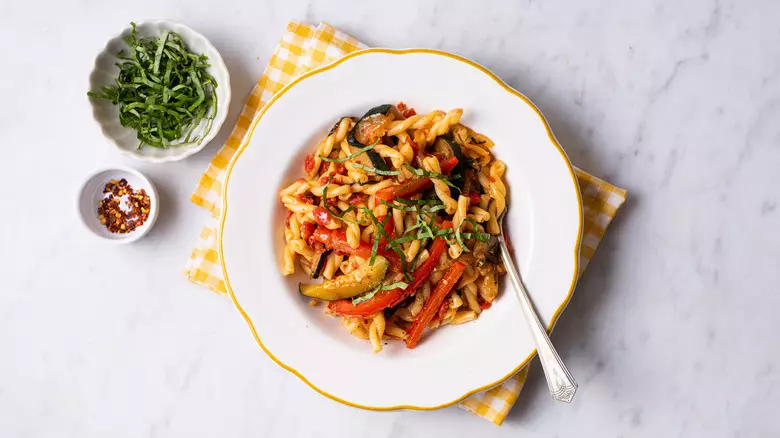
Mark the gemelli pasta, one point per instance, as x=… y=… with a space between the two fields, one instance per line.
x=397 y=213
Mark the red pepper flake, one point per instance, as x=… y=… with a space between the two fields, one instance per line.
x=401 y=107
x=485 y=305
x=123 y=209
x=409 y=113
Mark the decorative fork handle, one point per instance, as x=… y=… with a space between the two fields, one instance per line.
x=562 y=385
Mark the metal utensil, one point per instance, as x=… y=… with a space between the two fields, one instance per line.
x=562 y=386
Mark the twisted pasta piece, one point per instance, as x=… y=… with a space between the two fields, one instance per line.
x=498 y=189
x=398 y=221
x=355 y=327
x=326 y=147
x=479 y=214
x=300 y=246
x=442 y=126
x=463 y=316
x=395 y=331
x=414 y=122
x=353 y=230
x=470 y=293
x=387 y=152
x=376 y=329
x=431 y=164
x=492 y=223
x=288 y=260
x=461 y=212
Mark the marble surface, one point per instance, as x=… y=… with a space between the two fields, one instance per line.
x=672 y=330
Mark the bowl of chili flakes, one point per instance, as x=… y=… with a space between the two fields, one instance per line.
x=118 y=204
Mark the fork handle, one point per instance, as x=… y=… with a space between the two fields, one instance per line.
x=562 y=386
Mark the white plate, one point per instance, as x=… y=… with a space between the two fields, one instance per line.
x=545 y=222
x=107 y=115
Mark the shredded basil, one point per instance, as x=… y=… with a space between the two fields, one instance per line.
x=377 y=171
x=367 y=296
x=351 y=156
x=394 y=247
x=418 y=201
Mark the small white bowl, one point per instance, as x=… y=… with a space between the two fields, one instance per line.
x=92 y=192
x=107 y=115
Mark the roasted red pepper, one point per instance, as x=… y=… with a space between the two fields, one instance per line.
x=439 y=293
x=322 y=216
x=474 y=198
x=308 y=163
x=394 y=297
x=448 y=164
x=356 y=198
x=405 y=191
x=307 y=228
x=337 y=241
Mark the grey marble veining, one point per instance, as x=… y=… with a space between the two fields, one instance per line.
x=672 y=330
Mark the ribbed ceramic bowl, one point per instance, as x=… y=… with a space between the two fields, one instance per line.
x=107 y=115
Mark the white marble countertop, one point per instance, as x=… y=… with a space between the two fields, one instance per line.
x=672 y=330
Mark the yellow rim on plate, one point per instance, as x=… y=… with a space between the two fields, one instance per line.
x=243 y=145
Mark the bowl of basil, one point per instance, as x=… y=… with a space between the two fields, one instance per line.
x=159 y=91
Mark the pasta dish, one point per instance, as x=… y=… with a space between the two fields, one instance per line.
x=398 y=214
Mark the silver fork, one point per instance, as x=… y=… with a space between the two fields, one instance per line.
x=562 y=386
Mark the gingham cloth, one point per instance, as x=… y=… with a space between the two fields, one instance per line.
x=301 y=49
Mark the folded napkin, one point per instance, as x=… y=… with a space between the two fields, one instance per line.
x=301 y=49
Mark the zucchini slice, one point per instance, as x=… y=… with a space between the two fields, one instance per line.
x=363 y=279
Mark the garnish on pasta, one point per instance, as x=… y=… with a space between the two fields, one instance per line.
x=398 y=214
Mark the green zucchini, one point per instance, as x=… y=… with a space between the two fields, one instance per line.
x=371 y=127
x=365 y=278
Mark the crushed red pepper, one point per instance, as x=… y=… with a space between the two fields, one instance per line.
x=123 y=209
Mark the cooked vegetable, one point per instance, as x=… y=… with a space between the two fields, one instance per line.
x=369 y=130
x=391 y=298
x=376 y=169
x=487 y=251
x=163 y=91
x=319 y=263
x=378 y=161
x=365 y=297
x=371 y=127
x=439 y=293
x=363 y=279
x=349 y=157
x=337 y=240
x=404 y=191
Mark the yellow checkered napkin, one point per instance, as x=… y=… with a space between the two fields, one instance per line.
x=301 y=49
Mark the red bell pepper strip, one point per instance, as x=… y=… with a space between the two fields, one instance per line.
x=337 y=241
x=405 y=191
x=448 y=164
x=439 y=293
x=390 y=298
